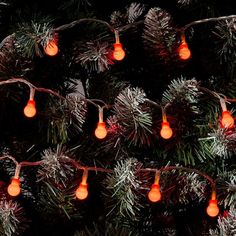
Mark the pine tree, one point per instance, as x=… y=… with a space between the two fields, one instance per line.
x=117 y=118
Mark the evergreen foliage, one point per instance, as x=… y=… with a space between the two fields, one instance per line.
x=136 y=94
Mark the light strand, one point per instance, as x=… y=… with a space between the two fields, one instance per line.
x=82 y=193
x=107 y=170
x=227 y=120
x=206 y=20
x=122 y=28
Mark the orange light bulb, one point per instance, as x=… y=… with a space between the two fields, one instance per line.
x=184 y=52
x=82 y=191
x=14 y=188
x=154 y=194
x=101 y=131
x=166 y=131
x=227 y=120
x=118 y=53
x=30 y=110
x=51 y=49
x=213 y=209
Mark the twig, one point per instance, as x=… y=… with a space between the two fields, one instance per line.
x=99 y=169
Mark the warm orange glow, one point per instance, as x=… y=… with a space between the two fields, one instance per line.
x=30 y=110
x=166 y=131
x=101 y=131
x=227 y=120
x=212 y=209
x=118 y=53
x=51 y=49
x=184 y=52
x=82 y=191
x=154 y=194
x=14 y=188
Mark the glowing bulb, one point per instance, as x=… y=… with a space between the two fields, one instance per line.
x=82 y=191
x=101 y=131
x=118 y=53
x=184 y=52
x=154 y=194
x=166 y=131
x=227 y=120
x=51 y=49
x=30 y=110
x=212 y=209
x=14 y=188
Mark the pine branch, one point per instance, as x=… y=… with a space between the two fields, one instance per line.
x=133 y=115
x=225 y=32
x=191 y=188
x=66 y=117
x=133 y=12
x=12 y=220
x=159 y=35
x=124 y=186
x=12 y=63
x=226 y=186
x=94 y=56
x=182 y=91
x=222 y=142
x=226 y=224
x=54 y=166
x=117 y=18
x=107 y=230
x=186 y=3
x=55 y=201
x=32 y=37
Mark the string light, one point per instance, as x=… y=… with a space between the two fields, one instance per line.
x=82 y=191
x=213 y=209
x=154 y=194
x=14 y=187
x=30 y=109
x=118 y=53
x=166 y=131
x=51 y=48
x=227 y=121
x=183 y=50
x=101 y=131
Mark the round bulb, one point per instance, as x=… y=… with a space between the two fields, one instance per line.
x=212 y=209
x=14 y=188
x=118 y=53
x=154 y=194
x=227 y=120
x=30 y=110
x=101 y=131
x=51 y=49
x=82 y=191
x=184 y=52
x=166 y=131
